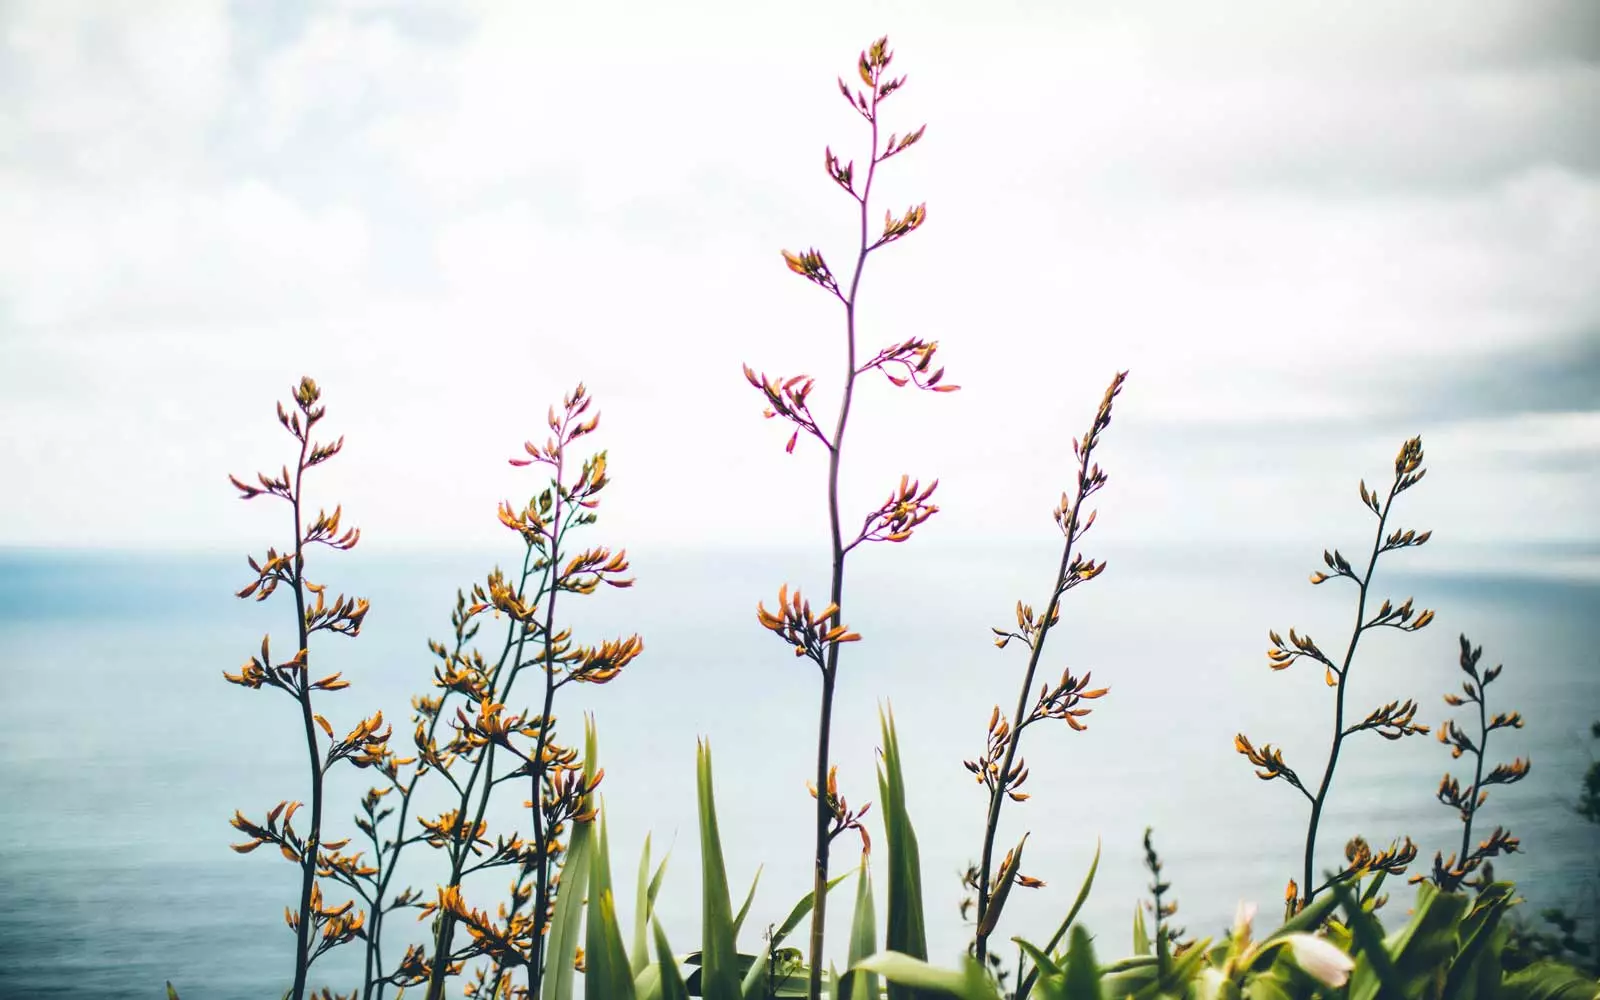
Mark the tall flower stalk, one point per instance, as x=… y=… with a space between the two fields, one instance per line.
x=318 y=926
x=1392 y=721
x=910 y=362
x=560 y=788
x=1458 y=870
x=1000 y=768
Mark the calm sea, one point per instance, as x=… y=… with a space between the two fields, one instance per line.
x=125 y=753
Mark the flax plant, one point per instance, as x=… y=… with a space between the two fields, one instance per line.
x=819 y=636
x=1458 y=870
x=319 y=926
x=558 y=783
x=1001 y=768
x=1392 y=721
x=374 y=883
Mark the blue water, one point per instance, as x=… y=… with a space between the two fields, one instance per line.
x=125 y=753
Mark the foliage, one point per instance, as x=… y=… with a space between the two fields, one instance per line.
x=819 y=636
x=559 y=918
x=1565 y=937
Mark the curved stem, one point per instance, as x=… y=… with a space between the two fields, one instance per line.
x=1308 y=892
x=997 y=794
x=1477 y=777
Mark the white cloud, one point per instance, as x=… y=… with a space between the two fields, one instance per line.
x=1258 y=214
x=215 y=255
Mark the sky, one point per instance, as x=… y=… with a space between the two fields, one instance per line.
x=1308 y=232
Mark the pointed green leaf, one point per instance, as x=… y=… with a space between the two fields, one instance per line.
x=1374 y=971
x=971 y=983
x=1082 y=972
x=756 y=976
x=641 y=912
x=858 y=985
x=905 y=933
x=1072 y=914
x=1476 y=969
x=672 y=986
x=607 y=975
x=749 y=897
x=1141 y=936
x=1041 y=962
x=568 y=917
x=720 y=971
x=1547 y=979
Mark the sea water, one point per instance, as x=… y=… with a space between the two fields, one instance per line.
x=125 y=753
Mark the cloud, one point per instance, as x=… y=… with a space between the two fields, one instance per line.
x=1308 y=236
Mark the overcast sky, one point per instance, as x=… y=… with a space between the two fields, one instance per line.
x=1309 y=232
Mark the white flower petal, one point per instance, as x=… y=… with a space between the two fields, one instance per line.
x=1321 y=959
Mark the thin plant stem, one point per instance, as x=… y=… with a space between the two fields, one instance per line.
x=1471 y=812
x=541 y=898
x=308 y=861
x=825 y=814
x=1339 y=733
x=997 y=794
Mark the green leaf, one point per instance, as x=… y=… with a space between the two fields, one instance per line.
x=1373 y=971
x=1547 y=979
x=971 y=983
x=1141 y=936
x=720 y=971
x=672 y=986
x=1269 y=987
x=1041 y=962
x=1310 y=919
x=749 y=897
x=905 y=932
x=1082 y=971
x=1370 y=893
x=645 y=907
x=568 y=917
x=1072 y=914
x=755 y=977
x=1187 y=965
x=608 y=975
x=1476 y=969
x=1430 y=940
x=863 y=941
x=1128 y=977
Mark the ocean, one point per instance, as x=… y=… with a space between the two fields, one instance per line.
x=125 y=753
